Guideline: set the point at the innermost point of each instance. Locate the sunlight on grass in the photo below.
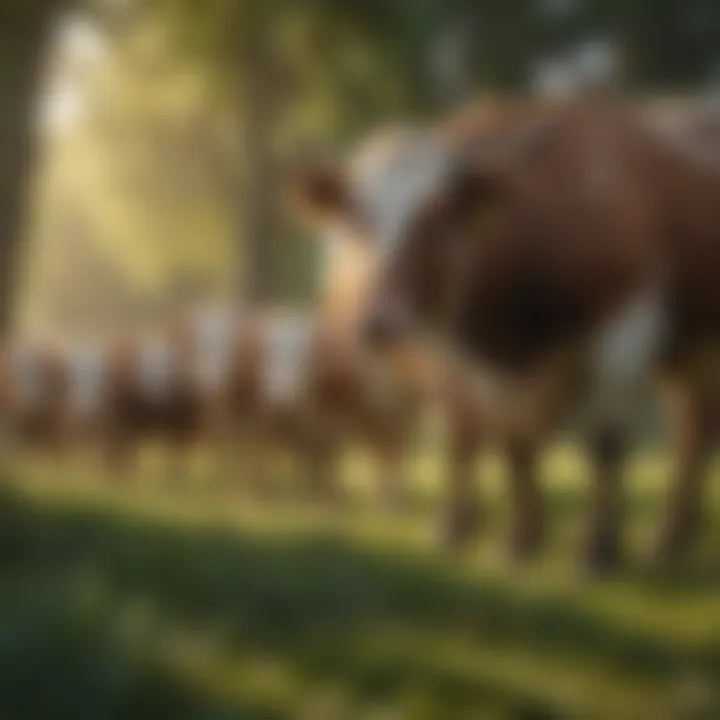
(292, 611)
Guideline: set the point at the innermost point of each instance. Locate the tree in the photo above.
(348, 60)
(356, 62)
(25, 26)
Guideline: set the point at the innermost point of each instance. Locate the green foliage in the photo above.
(161, 174)
(124, 601)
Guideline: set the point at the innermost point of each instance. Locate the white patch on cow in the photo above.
(625, 349)
(348, 270)
(157, 365)
(338, 246)
(621, 356)
(87, 365)
(214, 334)
(287, 348)
(393, 176)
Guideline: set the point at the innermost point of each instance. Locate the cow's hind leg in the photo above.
(254, 451)
(693, 424)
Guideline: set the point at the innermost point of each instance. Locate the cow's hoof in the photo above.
(602, 556)
(460, 527)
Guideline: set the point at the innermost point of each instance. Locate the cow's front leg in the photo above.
(460, 522)
(527, 513)
(178, 454)
(251, 442)
(318, 444)
(218, 441)
(627, 347)
(608, 447)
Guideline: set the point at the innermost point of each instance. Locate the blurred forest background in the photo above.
(152, 132)
(141, 145)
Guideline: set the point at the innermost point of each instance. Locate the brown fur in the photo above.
(554, 265)
(521, 260)
(132, 415)
(348, 281)
(41, 426)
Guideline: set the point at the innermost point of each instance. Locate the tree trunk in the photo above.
(23, 38)
(257, 251)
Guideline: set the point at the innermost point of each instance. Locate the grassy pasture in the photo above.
(144, 601)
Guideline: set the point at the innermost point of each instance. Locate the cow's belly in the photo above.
(594, 375)
(519, 406)
(698, 364)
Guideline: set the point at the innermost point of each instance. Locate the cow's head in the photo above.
(420, 201)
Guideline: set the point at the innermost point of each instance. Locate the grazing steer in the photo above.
(574, 250)
(352, 258)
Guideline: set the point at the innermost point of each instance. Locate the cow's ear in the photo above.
(318, 193)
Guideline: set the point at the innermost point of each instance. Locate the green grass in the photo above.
(140, 602)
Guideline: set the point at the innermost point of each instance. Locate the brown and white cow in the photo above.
(34, 395)
(261, 382)
(168, 384)
(565, 256)
(286, 380)
(351, 255)
(152, 391)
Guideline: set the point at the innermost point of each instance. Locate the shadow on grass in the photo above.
(70, 578)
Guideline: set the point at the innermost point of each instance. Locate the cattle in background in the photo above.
(34, 395)
(172, 384)
(310, 393)
(568, 255)
(254, 384)
(222, 347)
(152, 391)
